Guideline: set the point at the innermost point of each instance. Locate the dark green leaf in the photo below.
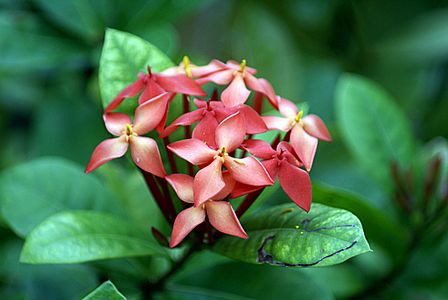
(245, 281)
(73, 237)
(124, 56)
(285, 235)
(373, 127)
(33, 191)
(106, 291)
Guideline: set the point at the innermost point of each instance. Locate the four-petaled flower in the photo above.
(238, 75)
(220, 213)
(151, 85)
(209, 180)
(305, 131)
(282, 163)
(144, 150)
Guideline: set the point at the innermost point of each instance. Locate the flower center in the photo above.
(129, 132)
(222, 153)
(298, 118)
(186, 62)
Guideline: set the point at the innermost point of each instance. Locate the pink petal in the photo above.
(229, 185)
(107, 150)
(116, 122)
(185, 222)
(286, 151)
(208, 182)
(304, 145)
(230, 132)
(316, 127)
(288, 108)
(146, 156)
(259, 148)
(185, 119)
(254, 122)
(205, 130)
(180, 84)
(277, 123)
(271, 165)
(269, 92)
(248, 170)
(214, 66)
(193, 151)
(297, 184)
(222, 216)
(200, 103)
(152, 90)
(236, 93)
(242, 189)
(220, 78)
(130, 91)
(182, 185)
(253, 83)
(150, 114)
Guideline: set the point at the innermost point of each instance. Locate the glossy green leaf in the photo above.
(237, 280)
(106, 291)
(79, 236)
(378, 226)
(373, 127)
(285, 235)
(34, 190)
(125, 55)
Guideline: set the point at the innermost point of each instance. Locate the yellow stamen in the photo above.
(129, 132)
(222, 153)
(186, 62)
(299, 116)
(239, 161)
(242, 65)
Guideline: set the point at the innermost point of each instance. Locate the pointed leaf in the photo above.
(106, 291)
(80, 236)
(285, 235)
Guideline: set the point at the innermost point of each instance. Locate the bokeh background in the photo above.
(50, 102)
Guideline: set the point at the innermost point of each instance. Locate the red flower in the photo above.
(144, 150)
(151, 85)
(305, 131)
(282, 163)
(228, 136)
(239, 76)
(220, 213)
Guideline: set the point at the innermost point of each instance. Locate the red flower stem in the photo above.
(248, 201)
(276, 141)
(166, 191)
(258, 102)
(172, 161)
(186, 107)
(287, 136)
(165, 206)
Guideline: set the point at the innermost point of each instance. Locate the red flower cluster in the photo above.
(223, 125)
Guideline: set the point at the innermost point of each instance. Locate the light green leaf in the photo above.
(125, 55)
(34, 190)
(373, 127)
(79, 236)
(379, 227)
(285, 235)
(106, 291)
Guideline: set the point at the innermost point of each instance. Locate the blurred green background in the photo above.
(50, 103)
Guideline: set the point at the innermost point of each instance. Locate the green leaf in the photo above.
(35, 190)
(125, 55)
(106, 291)
(285, 235)
(237, 280)
(373, 127)
(79, 236)
(379, 227)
